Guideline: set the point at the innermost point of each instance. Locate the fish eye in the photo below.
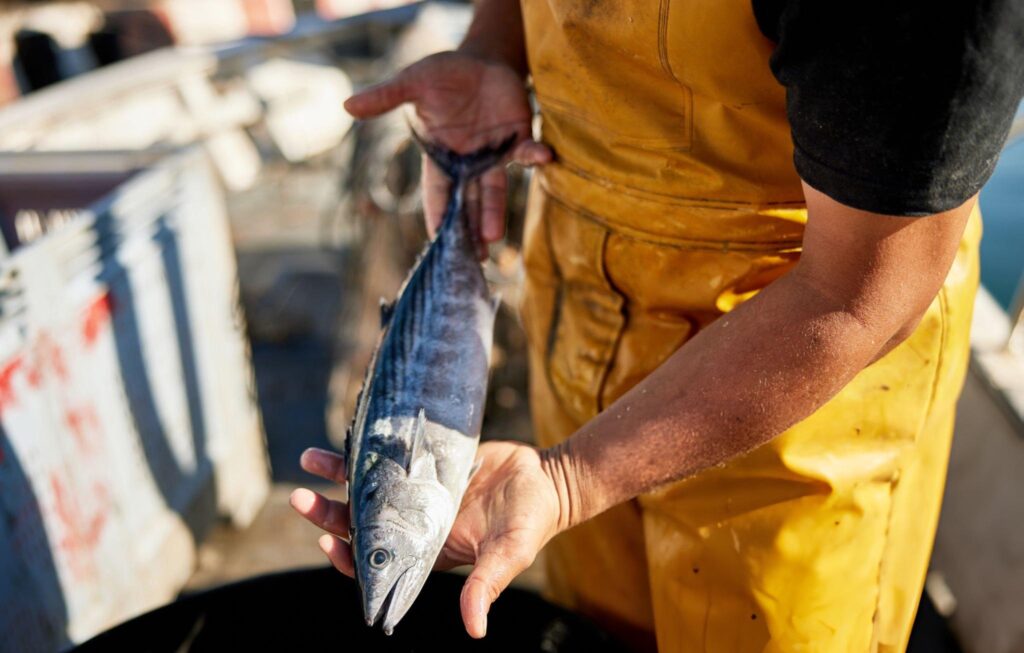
(379, 558)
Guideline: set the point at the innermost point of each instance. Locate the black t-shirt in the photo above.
(897, 106)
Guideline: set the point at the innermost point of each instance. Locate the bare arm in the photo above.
(862, 284)
(496, 33)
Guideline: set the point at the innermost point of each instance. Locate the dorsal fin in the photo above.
(354, 435)
(386, 310)
(347, 451)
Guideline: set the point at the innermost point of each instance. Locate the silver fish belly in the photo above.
(413, 441)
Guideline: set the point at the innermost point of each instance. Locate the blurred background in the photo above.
(195, 240)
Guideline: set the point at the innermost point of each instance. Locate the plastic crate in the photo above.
(128, 419)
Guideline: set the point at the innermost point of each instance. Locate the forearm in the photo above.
(738, 383)
(496, 33)
(765, 366)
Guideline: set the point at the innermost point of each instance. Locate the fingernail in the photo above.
(326, 542)
(482, 609)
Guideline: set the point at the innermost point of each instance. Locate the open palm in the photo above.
(509, 511)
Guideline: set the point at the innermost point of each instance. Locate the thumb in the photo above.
(383, 97)
(489, 578)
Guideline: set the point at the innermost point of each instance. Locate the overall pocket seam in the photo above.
(557, 355)
(780, 246)
(673, 199)
(666, 64)
(613, 348)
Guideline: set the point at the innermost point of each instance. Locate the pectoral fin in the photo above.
(421, 459)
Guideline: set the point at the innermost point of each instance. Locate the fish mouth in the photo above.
(401, 597)
(385, 605)
(387, 609)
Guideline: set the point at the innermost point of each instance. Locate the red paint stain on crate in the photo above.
(81, 532)
(97, 316)
(7, 396)
(83, 422)
(51, 357)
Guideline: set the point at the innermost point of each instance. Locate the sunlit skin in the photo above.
(464, 102)
(508, 513)
(863, 283)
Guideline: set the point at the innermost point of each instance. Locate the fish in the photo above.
(411, 448)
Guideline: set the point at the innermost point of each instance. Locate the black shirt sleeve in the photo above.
(898, 107)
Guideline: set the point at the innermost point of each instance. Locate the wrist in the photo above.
(569, 480)
(488, 53)
(481, 44)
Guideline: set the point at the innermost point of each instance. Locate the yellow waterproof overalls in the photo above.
(673, 198)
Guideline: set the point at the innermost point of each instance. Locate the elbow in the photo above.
(893, 319)
(903, 332)
(908, 326)
(882, 317)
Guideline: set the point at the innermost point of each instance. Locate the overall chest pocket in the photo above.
(601, 72)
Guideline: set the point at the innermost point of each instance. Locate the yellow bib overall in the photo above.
(674, 198)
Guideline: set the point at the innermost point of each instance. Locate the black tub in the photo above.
(319, 610)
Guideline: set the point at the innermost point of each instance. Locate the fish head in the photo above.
(392, 565)
(398, 532)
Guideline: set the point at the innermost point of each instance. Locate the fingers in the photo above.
(532, 153)
(489, 578)
(485, 197)
(339, 553)
(493, 190)
(435, 194)
(332, 516)
(473, 213)
(383, 97)
(323, 463)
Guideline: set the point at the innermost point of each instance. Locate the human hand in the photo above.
(463, 102)
(511, 508)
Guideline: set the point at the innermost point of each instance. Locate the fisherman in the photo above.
(751, 254)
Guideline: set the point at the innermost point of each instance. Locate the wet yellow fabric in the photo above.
(674, 198)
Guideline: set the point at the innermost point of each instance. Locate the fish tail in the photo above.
(460, 168)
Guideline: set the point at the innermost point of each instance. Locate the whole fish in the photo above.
(412, 444)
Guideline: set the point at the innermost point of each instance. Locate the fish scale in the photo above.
(411, 447)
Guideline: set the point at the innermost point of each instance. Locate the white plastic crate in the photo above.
(128, 416)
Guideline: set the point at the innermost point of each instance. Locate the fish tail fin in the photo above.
(463, 167)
